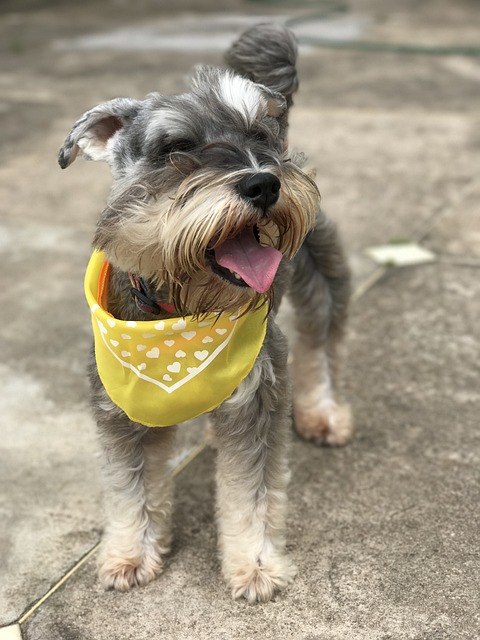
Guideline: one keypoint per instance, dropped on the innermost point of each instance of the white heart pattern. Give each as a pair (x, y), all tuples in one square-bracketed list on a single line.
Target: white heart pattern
[(173, 370), (180, 325)]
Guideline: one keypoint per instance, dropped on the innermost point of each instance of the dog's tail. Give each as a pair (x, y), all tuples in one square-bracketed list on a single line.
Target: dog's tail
[(267, 54)]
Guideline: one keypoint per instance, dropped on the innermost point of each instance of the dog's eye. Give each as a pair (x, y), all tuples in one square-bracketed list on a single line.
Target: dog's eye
[(181, 144), (261, 135)]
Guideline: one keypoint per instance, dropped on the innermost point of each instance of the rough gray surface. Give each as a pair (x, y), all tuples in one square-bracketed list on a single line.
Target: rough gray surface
[(385, 531)]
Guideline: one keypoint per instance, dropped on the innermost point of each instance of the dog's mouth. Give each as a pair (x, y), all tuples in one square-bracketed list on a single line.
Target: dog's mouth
[(245, 262)]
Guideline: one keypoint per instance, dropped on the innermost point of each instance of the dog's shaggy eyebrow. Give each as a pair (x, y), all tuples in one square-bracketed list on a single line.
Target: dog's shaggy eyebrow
[(168, 120), (240, 94), (181, 117)]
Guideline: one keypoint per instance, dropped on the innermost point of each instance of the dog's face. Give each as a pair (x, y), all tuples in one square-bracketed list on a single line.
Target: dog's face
[(206, 198)]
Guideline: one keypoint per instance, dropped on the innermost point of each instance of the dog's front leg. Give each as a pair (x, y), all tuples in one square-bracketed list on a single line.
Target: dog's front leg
[(252, 476), (138, 497)]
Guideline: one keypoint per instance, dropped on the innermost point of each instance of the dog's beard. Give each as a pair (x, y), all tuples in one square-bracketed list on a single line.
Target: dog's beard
[(172, 239)]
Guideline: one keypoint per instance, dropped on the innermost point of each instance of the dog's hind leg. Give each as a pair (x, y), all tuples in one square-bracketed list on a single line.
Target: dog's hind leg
[(138, 489), (252, 430), (319, 291)]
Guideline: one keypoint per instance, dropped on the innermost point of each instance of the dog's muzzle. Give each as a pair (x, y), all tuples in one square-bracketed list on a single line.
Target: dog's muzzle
[(242, 259)]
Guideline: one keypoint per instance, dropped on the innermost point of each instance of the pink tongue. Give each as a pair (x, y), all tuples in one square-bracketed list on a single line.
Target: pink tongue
[(255, 264)]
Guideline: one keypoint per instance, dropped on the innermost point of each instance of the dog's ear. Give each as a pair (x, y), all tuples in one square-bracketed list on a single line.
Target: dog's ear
[(276, 103), (267, 54), (92, 133)]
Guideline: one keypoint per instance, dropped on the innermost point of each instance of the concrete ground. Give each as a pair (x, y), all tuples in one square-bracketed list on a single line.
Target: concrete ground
[(384, 531)]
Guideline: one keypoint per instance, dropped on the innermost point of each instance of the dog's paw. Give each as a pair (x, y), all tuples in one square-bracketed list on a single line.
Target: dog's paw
[(324, 424), (119, 573), (259, 583)]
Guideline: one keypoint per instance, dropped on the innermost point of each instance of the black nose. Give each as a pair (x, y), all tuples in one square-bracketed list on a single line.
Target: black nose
[(261, 189)]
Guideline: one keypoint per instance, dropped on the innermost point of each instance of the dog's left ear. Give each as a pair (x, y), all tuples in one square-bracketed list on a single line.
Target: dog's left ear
[(92, 133)]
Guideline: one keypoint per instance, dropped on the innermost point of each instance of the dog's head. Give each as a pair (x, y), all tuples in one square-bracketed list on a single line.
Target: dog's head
[(206, 198)]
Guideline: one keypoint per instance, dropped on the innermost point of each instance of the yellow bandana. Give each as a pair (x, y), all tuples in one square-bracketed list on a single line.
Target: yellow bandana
[(163, 372)]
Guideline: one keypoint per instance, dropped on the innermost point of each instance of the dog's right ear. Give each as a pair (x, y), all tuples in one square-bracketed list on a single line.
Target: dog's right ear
[(267, 54), (96, 128)]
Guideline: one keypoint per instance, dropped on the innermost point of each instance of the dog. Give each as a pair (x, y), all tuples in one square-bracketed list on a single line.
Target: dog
[(210, 221)]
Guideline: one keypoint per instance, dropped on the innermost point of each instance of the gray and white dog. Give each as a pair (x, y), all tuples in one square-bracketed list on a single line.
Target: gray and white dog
[(210, 213)]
